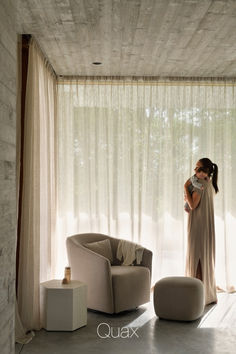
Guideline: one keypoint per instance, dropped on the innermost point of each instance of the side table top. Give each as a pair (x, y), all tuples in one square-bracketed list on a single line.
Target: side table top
[(57, 284)]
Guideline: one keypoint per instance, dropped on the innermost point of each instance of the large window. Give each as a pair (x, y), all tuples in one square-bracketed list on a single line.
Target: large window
[(125, 150)]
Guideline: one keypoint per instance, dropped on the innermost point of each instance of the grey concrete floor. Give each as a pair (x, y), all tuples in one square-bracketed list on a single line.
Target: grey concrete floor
[(214, 333)]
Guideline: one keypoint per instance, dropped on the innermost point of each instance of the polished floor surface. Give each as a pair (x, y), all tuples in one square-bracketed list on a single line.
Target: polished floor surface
[(214, 333)]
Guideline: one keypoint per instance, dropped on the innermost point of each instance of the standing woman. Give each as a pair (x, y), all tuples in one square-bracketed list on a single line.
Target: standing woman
[(200, 262)]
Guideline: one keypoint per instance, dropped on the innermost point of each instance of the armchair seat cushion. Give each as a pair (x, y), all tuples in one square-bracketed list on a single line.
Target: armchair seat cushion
[(131, 286)]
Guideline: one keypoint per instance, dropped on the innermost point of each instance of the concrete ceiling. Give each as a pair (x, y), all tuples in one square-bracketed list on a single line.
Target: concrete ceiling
[(167, 38)]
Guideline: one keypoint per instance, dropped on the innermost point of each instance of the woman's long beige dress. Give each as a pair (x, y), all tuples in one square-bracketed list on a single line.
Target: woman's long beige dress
[(201, 241)]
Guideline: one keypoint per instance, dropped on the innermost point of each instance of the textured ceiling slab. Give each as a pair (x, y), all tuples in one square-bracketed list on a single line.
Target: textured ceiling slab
[(189, 38)]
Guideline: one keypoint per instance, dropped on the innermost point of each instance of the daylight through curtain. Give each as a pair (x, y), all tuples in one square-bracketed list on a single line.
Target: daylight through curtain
[(125, 149)]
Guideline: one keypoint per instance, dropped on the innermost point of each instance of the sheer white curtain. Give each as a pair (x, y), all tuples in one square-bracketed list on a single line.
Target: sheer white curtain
[(125, 149), (38, 198)]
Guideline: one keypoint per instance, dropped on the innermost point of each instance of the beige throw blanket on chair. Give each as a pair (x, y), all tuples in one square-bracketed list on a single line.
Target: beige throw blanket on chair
[(130, 252)]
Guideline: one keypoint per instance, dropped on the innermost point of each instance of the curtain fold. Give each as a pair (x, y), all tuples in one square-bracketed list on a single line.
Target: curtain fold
[(125, 149), (38, 189)]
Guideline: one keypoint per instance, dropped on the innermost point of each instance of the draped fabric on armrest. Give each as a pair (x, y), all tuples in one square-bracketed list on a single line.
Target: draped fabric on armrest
[(130, 252)]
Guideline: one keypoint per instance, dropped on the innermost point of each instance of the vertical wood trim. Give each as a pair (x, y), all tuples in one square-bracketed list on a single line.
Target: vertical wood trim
[(24, 71)]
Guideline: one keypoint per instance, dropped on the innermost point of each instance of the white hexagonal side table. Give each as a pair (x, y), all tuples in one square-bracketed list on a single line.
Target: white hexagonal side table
[(65, 305)]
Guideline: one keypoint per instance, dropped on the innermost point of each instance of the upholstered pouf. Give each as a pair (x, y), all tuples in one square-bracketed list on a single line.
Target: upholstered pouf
[(179, 298)]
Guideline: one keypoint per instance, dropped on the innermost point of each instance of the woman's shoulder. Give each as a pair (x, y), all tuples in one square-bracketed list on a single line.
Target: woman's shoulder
[(207, 182), (208, 187)]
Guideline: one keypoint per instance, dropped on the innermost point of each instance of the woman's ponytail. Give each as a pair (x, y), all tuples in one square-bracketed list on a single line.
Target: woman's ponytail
[(212, 171), (215, 177)]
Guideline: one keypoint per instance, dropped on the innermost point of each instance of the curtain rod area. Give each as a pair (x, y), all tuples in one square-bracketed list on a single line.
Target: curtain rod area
[(146, 80)]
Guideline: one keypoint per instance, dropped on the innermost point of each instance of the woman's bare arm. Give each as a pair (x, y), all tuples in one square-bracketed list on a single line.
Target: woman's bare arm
[(194, 199)]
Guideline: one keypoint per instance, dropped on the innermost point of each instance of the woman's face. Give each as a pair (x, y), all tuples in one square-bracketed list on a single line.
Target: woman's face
[(201, 175), (198, 164)]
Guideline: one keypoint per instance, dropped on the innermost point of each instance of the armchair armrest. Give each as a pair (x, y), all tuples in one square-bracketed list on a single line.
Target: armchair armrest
[(95, 271), (147, 260)]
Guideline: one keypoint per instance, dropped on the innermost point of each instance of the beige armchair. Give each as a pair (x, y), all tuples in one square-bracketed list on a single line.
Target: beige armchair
[(112, 288)]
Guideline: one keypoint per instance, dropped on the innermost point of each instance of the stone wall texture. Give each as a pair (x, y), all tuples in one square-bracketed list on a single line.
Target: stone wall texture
[(8, 67)]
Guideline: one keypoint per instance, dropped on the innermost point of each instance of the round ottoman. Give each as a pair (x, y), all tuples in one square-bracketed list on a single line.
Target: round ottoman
[(179, 298)]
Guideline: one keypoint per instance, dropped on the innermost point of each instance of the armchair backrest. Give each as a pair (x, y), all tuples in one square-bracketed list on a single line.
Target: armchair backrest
[(81, 239), (94, 237)]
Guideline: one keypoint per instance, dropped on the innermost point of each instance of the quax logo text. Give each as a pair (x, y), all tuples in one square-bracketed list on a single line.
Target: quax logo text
[(104, 330)]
